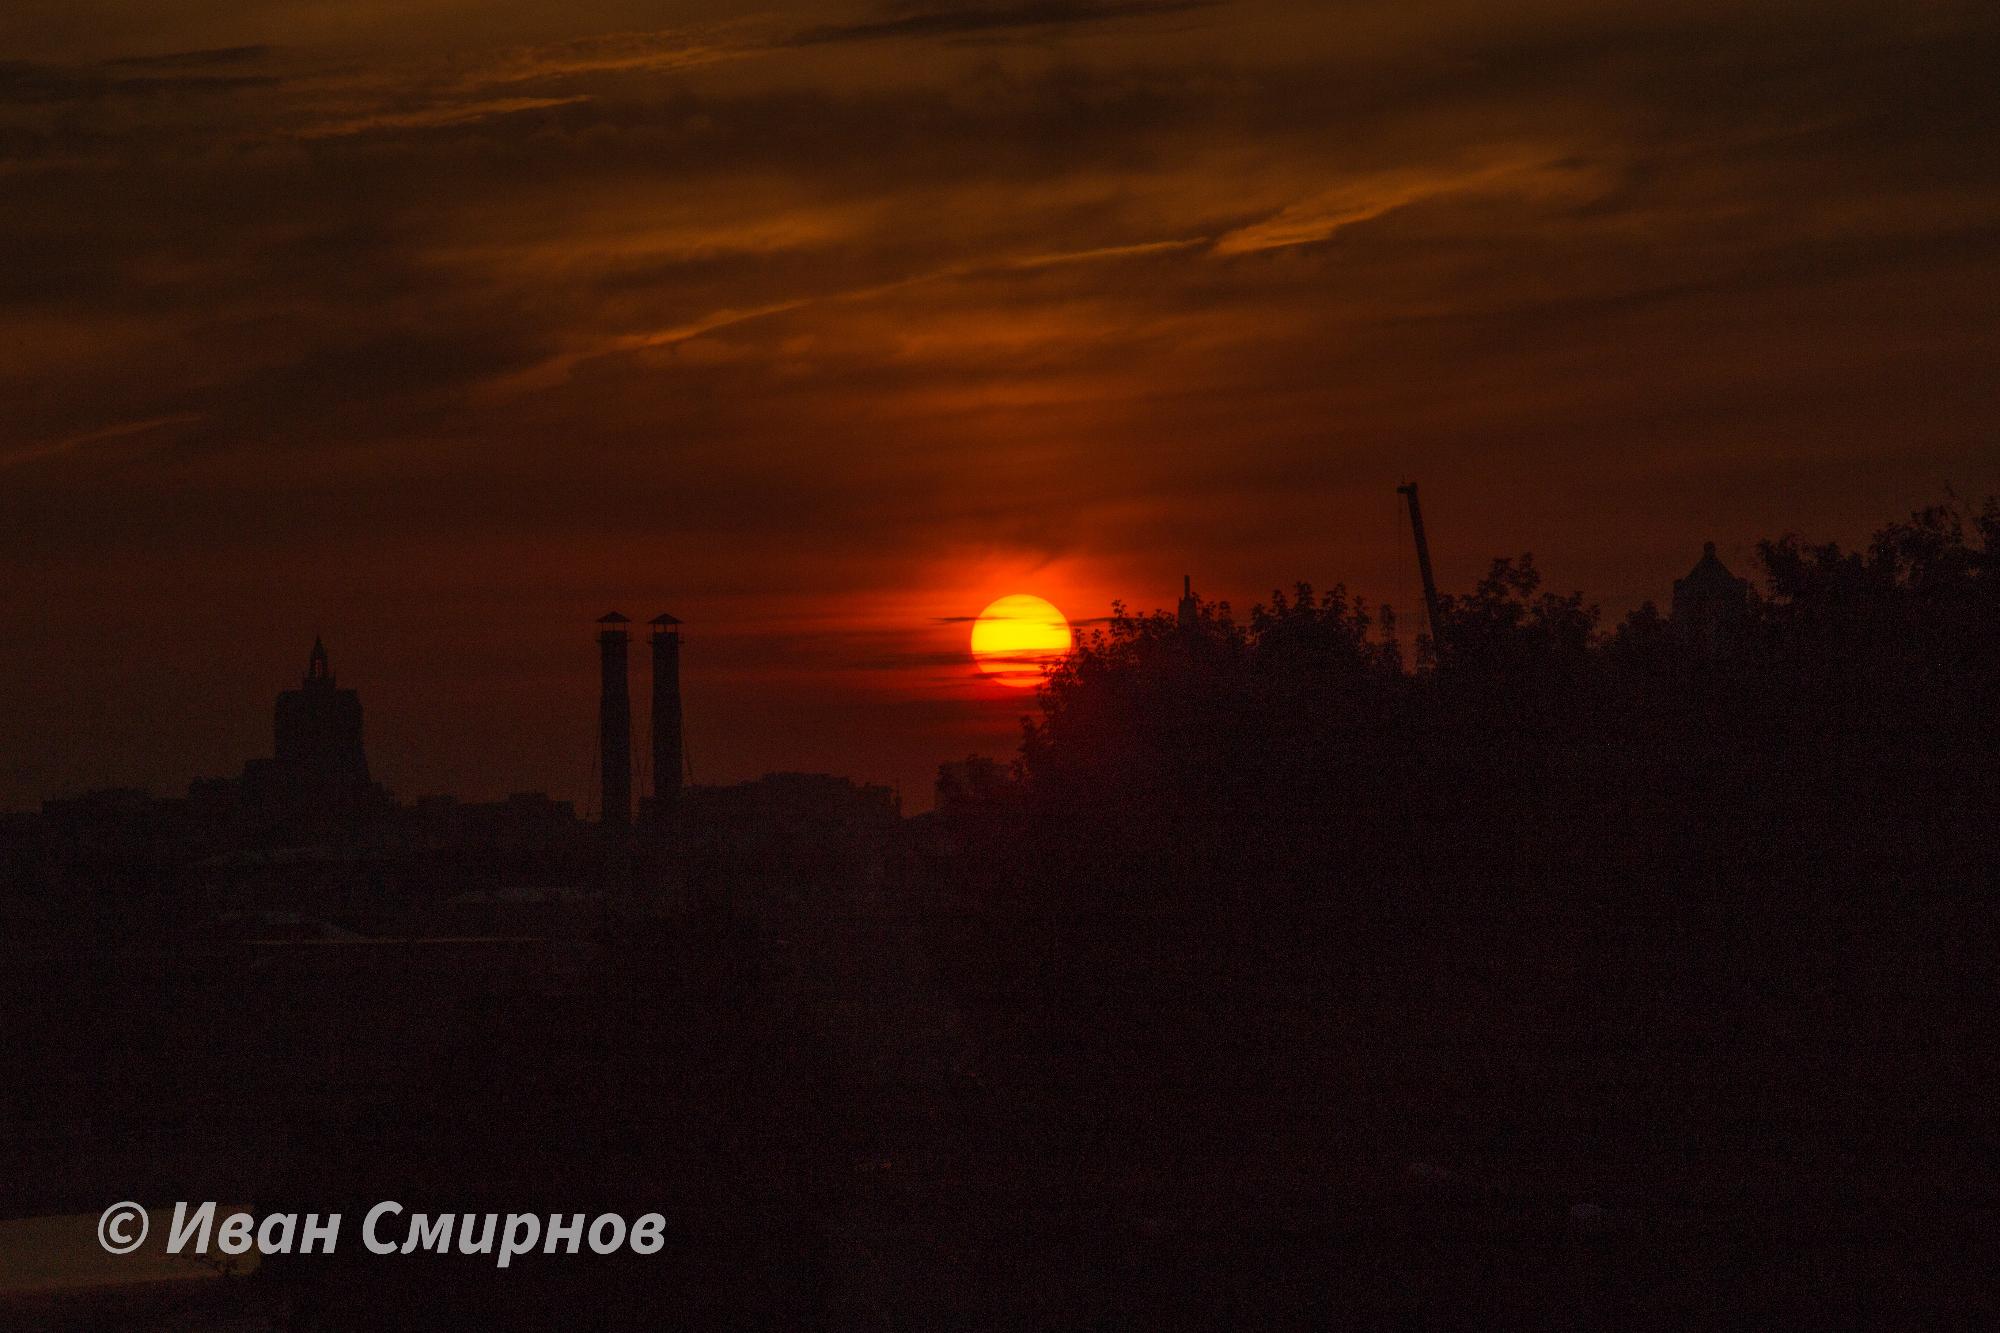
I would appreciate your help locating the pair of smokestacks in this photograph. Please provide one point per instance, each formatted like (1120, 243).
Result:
(614, 716)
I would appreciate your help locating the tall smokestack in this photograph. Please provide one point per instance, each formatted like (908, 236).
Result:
(668, 763)
(614, 721)
(667, 753)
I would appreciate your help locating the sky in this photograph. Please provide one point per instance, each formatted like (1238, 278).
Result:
(442, 327)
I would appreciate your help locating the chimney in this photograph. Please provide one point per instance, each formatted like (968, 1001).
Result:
(668, 761)
(614, 721)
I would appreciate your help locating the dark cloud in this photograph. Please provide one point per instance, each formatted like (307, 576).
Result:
(977, 20)
(973, 619)
(27, 83)
(220, 55)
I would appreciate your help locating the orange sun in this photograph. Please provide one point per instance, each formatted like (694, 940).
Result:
(1016, 637)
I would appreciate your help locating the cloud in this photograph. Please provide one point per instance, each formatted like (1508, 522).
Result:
(28, 83)
(120, 430)
(24, 82)
(219, 55)
(978, 20)
(661, 51)
(1318, 218)
(558, 368)
(1073, 621)
(440, 116)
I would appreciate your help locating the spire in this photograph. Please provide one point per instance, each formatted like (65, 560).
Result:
(1710, 570)
(317, 668)
(1190, 609)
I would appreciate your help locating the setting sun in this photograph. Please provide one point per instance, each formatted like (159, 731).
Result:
(1016, 637)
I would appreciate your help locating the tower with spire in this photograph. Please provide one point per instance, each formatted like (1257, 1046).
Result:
(1190, 609)
(316, 740)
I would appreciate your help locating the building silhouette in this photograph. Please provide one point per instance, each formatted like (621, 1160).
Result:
(317, 774)
(316, 729)
(1190, 607)
(1712, 607)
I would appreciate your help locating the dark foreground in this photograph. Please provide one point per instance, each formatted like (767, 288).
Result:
(898, 1111)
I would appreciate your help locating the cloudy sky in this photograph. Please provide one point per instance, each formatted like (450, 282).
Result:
(443, 326)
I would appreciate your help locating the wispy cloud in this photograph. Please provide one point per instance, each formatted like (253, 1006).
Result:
(203, 59)
(1322, 215)
(661, 51)
(556, 369)
(988, 20)
(438, 116)
(120, 430)
(29, 83)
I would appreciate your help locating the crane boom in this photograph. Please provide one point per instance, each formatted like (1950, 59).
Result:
(1409, 489)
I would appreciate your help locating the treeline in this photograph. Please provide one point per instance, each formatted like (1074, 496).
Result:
(1832, 729)
(1638, 903)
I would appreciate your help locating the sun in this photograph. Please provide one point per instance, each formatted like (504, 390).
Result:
(1016, 637)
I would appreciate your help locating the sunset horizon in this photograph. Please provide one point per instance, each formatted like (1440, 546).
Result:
(998, 664)
(437, 332)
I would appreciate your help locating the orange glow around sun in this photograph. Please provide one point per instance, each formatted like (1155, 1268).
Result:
(1016, 637)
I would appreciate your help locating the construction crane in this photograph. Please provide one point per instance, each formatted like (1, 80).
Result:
(1409, 489)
